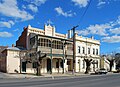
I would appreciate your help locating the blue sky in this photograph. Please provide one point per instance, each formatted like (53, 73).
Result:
(102, 19)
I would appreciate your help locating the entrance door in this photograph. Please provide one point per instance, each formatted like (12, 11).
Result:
(69, 63)
(48, 65)
(23, 66)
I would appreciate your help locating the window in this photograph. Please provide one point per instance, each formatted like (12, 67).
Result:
(38, 42)
(96, 51)
(78, 49)
(44, 42)
(93, 51)
(41, 42)
(57, 44)
(83, 64)
(88, 50)
(83, 48)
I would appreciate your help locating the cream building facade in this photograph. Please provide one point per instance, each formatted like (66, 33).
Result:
(86, 48)
(10, 61)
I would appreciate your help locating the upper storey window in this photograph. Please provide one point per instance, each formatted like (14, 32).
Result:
(83, 49)
(93, 51)
(96, 51)
(88, 50)
(78, 49)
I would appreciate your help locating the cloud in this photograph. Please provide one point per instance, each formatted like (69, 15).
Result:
(9, 8)
(99, 29)
(112, 39)
(95, 29)
(60, 11)
(82, 32)
(33, 8)
(6, 24)
(16, 30)
(105, 29)
(101, 2)
(33, 4)
(81, 3)
(115, 30)
(118, 20)
(5, 34)
(36, 2)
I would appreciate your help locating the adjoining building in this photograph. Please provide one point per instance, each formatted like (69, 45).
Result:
(104, 63)
(1, 55)
(86, 48)
(10, 60)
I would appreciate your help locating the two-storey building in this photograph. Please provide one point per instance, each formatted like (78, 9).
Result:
(57, 47)
(86, 48)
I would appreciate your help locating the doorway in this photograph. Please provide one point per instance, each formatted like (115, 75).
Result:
(23, 66)
(48, 65)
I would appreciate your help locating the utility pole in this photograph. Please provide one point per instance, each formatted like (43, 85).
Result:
(74, 46)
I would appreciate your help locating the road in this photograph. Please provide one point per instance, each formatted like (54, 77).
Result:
(78, 81)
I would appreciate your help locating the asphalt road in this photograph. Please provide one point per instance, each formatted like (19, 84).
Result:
(90, 81)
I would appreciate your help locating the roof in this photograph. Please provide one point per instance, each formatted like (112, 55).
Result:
(15, 48)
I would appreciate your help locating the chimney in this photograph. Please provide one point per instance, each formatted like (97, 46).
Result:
(92, 37)
(25, 28)
(12, 45)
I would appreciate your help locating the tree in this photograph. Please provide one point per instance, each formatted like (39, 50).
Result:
(39, 62)
(117, 60)
(88, 63)
(35, 57)
(111, 63)
(111, 60)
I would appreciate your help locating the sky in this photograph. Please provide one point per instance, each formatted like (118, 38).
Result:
(101, 19)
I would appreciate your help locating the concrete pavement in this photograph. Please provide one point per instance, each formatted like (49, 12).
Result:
(7, 75)
(68, 74)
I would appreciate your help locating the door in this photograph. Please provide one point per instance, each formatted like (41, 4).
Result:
(48, 65)
(23, 66)
(69, 63)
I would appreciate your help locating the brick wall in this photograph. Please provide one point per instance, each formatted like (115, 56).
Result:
(22, 39)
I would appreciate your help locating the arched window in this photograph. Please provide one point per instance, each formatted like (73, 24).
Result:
(78, 49)
(96, 51)
(88, 50)
(93, 51)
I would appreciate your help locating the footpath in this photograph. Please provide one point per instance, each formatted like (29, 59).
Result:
(54, 75)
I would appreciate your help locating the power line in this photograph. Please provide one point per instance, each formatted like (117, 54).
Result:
(85, 11)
